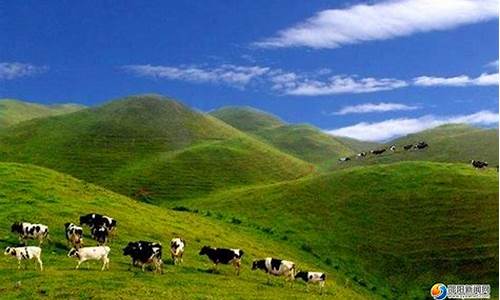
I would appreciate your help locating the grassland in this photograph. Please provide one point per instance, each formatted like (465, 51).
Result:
(40, 195)
(14, 111)
(395, 229)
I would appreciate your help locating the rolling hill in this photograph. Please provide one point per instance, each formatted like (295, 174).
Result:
(394, 228)
(149, 147)
(15, 111)
(36, 194)
(300, 140)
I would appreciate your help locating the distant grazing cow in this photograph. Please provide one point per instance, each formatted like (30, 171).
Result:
(100, 234)
(97, 220)
(91, 253)
(25, 253)
(421, 145)
(378, 151)
(224, 256)
(74, 235)
(145, 253)
(361, 154)
(276, 267)
(408, 147)
(177, 249)
(313, 277)
(30, 231)
(392, 148)
(478, 164)
(344, 159)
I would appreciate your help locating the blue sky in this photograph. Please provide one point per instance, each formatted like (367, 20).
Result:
(367, 69)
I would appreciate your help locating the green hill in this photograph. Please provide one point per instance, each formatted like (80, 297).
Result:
(35, 194)
(149, 147)
(15, 111)
(303, 141)
(395, 229)
(447, 143)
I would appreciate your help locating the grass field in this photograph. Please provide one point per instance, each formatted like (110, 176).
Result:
(35, 194)
(395, 229)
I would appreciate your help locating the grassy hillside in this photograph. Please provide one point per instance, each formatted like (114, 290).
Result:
(14, 111)
(40, 195)
(149, 147)
(395, 229)
(448, 143)
(303, 141)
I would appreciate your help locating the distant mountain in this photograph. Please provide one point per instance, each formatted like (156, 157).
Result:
(303, 141)
(15, 111)
(149, 147)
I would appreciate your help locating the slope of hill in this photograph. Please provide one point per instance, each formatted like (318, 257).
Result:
(35, 194)
(397, 228)
(149, 147)
(448, 143)
(303, 141)
(15, 111)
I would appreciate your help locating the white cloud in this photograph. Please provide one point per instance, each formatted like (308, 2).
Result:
(374, 107)
(384, 20)
(13, 70)
(492, 64)
(227, 74)
(462, 80)
(392, 128)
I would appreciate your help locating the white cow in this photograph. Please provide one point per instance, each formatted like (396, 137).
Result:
(91, 253)
(313, 277)
(26, 253)
(177, 249)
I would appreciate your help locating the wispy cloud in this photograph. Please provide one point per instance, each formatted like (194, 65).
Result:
(392, 128)
(462, 80)
(492, 64)
(14, 70)
(374, 107)
(384, 20)
(226, 74)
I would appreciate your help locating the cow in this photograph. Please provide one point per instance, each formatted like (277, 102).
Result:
(96, 220)
(91, 253)
(478, 164)
(145, 253)
(30, 231)
(100, 234)
(74, 235)
(378, 151)
(344, 159)
(25, 253)
(312, 277)
(177, 249)
(392, 148)
(223, 256)
(420, 145)
(276, 267)
(361, 154)
(408, 147)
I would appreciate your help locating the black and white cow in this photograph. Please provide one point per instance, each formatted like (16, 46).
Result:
(100, 234)
(28, 231)
(408, 147)
(276, 267)
(224, 256)
(420, 145)
(361, 154)
(344, 159)
(378, 151)
(145, 253)
(91, 253)
(392, 148)
(97, 220)
(25, 253)
(177, 249)
(478, 164)
(74, 235)
(312, 277)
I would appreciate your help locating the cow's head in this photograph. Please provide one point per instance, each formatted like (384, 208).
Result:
(73, 253)
(130, 249)
(9, 251)
(205, 250)
(16, 227)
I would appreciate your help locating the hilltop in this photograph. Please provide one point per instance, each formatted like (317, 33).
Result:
(149, 147)
(395, 228)
(300, 140)
(36, 194)
(15, 111)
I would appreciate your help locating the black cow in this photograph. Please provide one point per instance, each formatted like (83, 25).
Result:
(276, 267)
(312, 277)
(96, 220)
(421, 145)
(478, 164)
(30, 231)
(224, 256)
(408, 147)
(378, 151)
(100, 234)
(344, 159)
(144, 253)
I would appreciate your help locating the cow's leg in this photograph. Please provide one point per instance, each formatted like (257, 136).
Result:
(39, 260)
(105, 263)
(78, 265)
(18, 264)
(143, 267)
